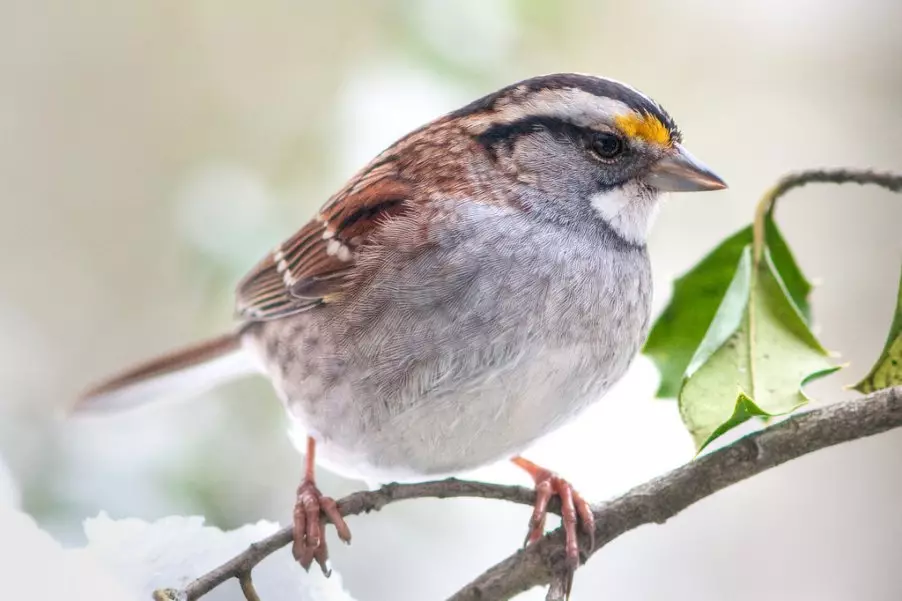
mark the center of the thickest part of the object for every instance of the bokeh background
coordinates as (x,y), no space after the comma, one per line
(153,150)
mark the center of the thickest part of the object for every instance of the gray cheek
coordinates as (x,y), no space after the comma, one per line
(564,168)
(561,178)
(559,166)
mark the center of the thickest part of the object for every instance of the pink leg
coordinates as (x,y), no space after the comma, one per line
(310,506)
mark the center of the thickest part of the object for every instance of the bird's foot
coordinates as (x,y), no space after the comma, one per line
(309,535)
(575,511)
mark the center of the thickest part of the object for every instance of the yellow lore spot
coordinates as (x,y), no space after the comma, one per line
(644,126)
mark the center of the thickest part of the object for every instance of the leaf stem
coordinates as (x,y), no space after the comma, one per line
(765,208)
(751,337)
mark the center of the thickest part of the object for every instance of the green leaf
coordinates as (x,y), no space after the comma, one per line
(696,295)
(887,372)
(679,330)
(796,284)
(755,357)
(744,410)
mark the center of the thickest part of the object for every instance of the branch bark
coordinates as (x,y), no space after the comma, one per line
(664,497)
(240,566)
(654,502)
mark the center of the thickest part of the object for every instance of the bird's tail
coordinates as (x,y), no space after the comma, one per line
(185,372)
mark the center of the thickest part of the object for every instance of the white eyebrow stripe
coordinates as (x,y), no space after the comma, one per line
(570,104)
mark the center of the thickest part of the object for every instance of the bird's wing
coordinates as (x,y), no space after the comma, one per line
(313,266)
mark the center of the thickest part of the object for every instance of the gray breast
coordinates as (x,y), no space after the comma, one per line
(461,350)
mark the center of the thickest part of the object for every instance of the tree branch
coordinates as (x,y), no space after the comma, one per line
(662,498)
(356,503)
(654,502)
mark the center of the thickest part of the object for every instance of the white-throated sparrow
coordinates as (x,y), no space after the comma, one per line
(475,286)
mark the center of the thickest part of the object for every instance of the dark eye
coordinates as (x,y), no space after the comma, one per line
(606,146)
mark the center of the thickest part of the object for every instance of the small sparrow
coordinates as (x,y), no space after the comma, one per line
(476,286)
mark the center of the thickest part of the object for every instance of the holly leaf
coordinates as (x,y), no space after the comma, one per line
(797,285)
(887,372)
(679,330)
(744,410)
(755,356)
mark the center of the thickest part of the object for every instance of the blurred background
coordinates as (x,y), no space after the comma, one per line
(151,151)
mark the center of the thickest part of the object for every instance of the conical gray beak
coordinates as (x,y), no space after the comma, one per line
(679,171)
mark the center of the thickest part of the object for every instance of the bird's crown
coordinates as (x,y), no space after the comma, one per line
(581,100)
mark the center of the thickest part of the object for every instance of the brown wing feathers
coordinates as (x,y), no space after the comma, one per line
(315,263)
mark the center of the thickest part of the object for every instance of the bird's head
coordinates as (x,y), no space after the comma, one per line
(583,148)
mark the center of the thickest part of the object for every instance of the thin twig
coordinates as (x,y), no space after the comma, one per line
(247,587)
(653,502)
(558,588)
(355,504)
(767,204)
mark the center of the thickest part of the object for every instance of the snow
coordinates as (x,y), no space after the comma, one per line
(127,559)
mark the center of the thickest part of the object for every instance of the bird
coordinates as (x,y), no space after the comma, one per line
(476,286)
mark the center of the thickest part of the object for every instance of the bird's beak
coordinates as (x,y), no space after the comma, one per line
(679,171)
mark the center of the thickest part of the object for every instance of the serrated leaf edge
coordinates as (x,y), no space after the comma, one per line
(866,385)
(715,339)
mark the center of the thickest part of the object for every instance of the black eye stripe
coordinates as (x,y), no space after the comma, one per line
(505,134)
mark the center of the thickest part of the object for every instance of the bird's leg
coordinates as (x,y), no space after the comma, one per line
(574,510)
(309,537)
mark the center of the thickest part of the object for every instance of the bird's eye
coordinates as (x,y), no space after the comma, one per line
(606,146)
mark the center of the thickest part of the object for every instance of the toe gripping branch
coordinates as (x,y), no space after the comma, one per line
(575,511)
(310,509)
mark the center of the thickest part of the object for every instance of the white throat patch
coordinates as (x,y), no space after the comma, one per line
(630,210)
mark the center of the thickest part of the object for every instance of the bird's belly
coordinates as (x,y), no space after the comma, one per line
(483,421)
(439,398)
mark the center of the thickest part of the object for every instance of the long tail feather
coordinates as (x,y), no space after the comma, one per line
(185,372)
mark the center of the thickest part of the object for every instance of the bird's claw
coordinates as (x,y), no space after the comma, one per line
(309,537)
(575,511)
